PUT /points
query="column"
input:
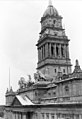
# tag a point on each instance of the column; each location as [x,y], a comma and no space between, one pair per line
[50,49]
[41,53]
[55,116]
[20,116]
[55,50]
[80,116]
[38,54]
[46,50]
[16,115]
[49,115]
[39,115]
[13,115]
[10,115]
[34,116]
[67,51]
[24,116]
[44,115]
[74,116]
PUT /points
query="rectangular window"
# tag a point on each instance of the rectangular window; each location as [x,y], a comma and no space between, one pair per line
[63,70]
[55,70]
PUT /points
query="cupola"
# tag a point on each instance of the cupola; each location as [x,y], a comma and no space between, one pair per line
[50,11]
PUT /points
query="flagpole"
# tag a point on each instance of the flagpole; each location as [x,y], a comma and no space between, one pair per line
[9,78]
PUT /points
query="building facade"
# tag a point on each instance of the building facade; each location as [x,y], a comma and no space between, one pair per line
[56,92]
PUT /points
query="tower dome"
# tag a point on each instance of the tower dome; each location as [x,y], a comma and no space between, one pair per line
[51,11]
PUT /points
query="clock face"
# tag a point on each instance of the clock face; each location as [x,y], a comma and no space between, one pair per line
[58,23]
[59,33]
[51,32]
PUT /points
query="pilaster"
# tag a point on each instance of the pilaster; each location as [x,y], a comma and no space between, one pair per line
[46,50]
[65,51]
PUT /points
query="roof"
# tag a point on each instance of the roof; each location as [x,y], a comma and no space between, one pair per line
[22,100]
[51,11]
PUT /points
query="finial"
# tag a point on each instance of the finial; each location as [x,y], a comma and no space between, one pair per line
[29,76]
[11,90]
[50,2]
[7,91]
[77,67]
[77,62]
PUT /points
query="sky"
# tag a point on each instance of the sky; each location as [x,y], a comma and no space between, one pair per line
[19,33]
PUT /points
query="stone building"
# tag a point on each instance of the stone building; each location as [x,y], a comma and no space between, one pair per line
[56,92]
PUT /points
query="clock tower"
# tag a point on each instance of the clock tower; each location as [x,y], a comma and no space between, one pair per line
[53,45]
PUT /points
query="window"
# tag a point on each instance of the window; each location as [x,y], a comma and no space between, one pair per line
[54,21]
[36,94]
[49,94]
[55,70]
[63,70]
[54,93]
[67,89]
[50,20]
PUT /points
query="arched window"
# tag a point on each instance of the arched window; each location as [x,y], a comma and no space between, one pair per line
[66,89]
